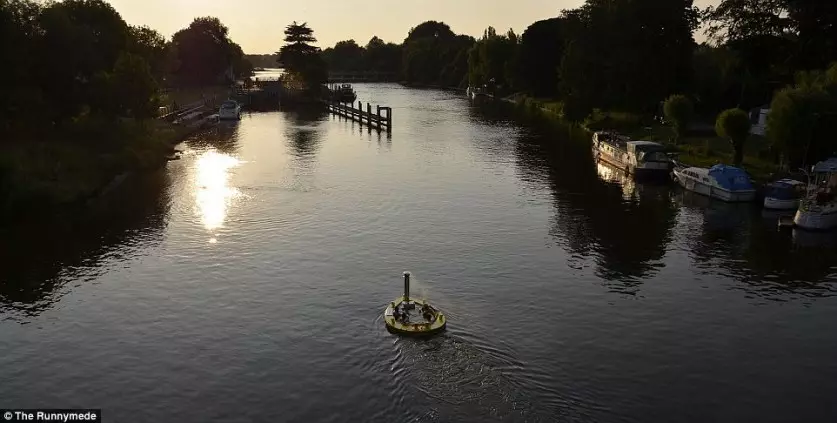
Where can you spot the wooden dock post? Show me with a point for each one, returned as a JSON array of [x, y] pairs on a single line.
[[355, 113]]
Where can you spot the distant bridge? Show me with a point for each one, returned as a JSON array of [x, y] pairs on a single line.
[[368, 76]]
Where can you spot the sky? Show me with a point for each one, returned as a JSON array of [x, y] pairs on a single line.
[[257, 25]]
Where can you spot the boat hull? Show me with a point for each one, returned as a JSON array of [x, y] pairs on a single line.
[[711, 191], [777, 204], [396, 327], [657, 171], [815, 220]]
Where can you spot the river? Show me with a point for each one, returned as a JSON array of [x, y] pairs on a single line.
[[246, 282]]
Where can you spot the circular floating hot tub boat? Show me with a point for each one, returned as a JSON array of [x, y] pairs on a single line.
[[413, 317]]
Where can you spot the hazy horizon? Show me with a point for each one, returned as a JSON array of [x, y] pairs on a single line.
[[257, 25]]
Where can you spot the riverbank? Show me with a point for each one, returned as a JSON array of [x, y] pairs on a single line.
[[56, 170], [700, 147]]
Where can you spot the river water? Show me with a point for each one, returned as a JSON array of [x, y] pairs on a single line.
[[246, 282]]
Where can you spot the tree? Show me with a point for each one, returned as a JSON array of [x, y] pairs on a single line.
[[430, 29], [491, 57], [134, 87], [631, 53], [382, 57], [717, 79], [433, 54], [345, 56], [541, 51], [151, 46], [204, 52], [241, 66], [79, 39], [734, 125], [302, 61], [803, 118], [19, 30], [679, 110], [262, 60], [809, 25]]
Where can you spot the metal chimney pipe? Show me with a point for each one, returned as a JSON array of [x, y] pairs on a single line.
[[406, 287]]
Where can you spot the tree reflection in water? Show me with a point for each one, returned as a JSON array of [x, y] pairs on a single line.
[[40, 256], [623, 227]]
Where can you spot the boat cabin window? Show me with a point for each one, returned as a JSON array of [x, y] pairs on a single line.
[[652, 156]]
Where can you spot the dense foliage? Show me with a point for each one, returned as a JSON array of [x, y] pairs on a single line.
[[492, 59], [803, 118], [205, 54], [376, 56]]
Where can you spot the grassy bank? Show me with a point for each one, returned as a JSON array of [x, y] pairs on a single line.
[[50, 170], [697, 148]]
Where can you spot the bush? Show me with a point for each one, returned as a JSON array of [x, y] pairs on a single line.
[[734, 125], [679, 110]]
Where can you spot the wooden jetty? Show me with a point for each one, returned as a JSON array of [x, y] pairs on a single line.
[[262, 93], [366, 117]]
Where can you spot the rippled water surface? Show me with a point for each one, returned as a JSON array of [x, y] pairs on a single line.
[[245, 282]]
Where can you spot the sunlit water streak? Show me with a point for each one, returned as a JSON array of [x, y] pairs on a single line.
[[213, 194]]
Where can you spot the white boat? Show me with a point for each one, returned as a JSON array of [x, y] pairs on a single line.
[[230, 110], [818, 210], [634, 157], [723, 182], [783, 194], [474, 92]]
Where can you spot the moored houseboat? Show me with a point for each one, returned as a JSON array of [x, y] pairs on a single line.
[[640, 158]]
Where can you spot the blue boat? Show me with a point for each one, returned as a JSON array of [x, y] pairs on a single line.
[[723, 182], [783, 194]]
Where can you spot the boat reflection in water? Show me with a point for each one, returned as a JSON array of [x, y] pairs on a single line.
[[717, 215], [213, 194], [609, 173]]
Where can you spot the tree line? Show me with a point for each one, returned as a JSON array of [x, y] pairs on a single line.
[[77, 59]]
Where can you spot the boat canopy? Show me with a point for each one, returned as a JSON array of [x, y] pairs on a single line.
[[785, 189], [826, 166], [648, 151], [731, 178], [645, 146]]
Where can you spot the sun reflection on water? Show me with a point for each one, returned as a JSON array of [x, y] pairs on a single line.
[[212, 191]]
